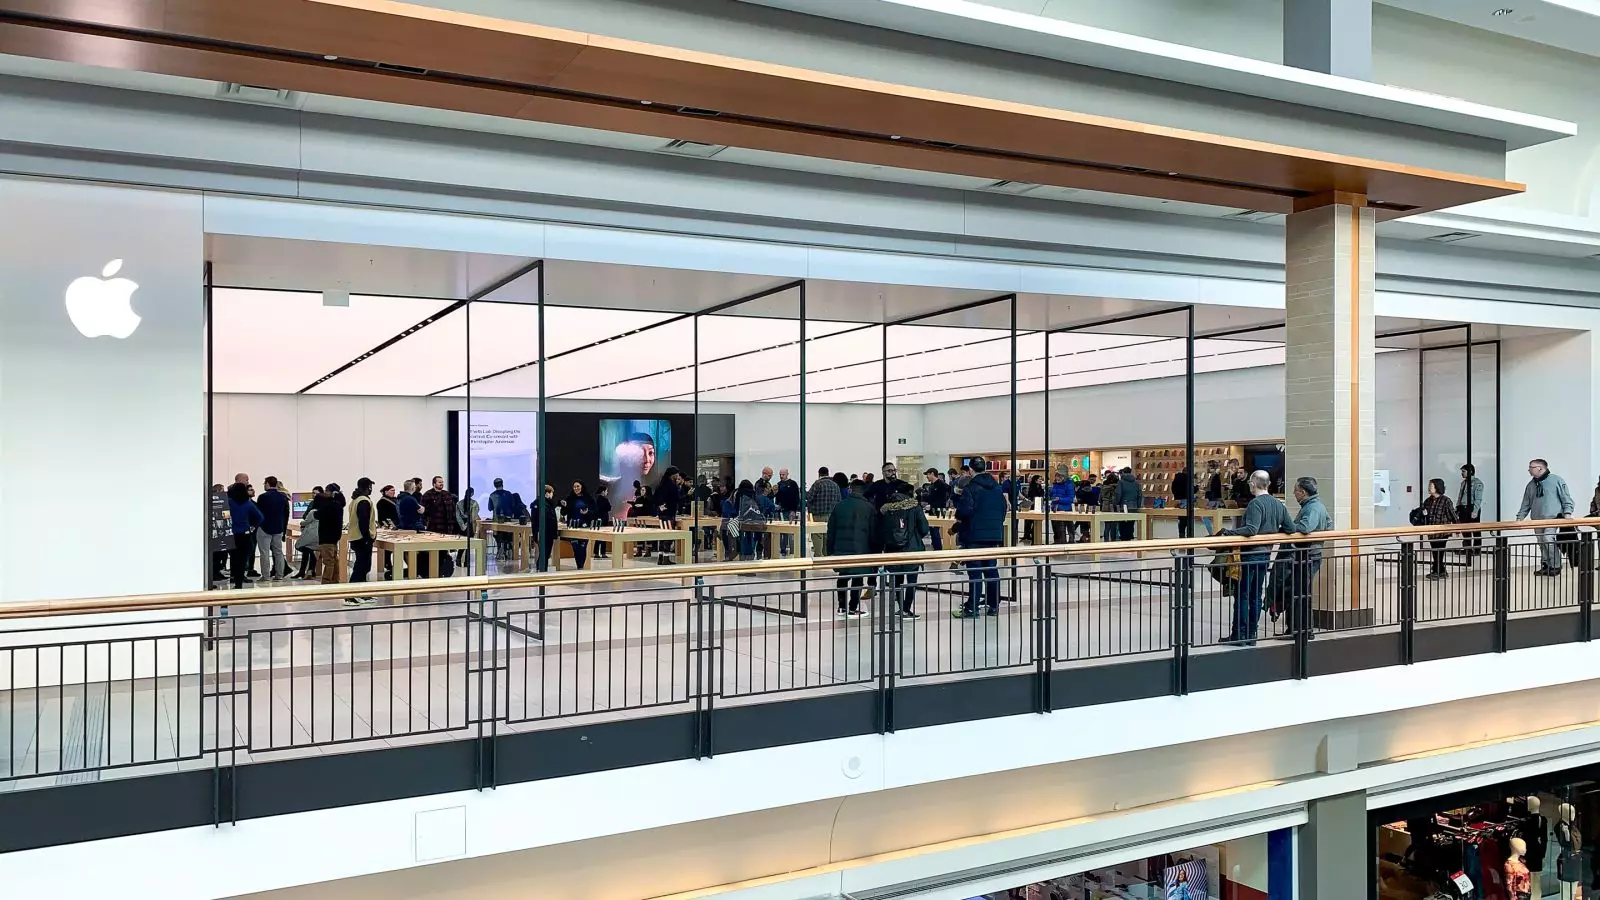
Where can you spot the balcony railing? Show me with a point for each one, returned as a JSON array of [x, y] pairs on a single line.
[[258, 702]]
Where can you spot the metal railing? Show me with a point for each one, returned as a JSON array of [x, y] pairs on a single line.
[[223, 679]]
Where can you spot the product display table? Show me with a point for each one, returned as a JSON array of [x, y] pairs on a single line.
[[620, 541], [522, 538], [1095, 520], [946, 526], [1217, 516], [409, 545]]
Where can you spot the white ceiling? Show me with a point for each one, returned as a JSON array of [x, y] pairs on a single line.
[[1569, 24]]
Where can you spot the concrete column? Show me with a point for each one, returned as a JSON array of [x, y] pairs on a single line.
[[1332, 36], [1329, 375], [1332, 861]]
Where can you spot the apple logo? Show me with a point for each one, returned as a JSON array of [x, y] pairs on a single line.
[[103, 306]]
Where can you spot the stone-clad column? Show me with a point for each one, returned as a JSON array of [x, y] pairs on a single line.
[[1329, 376]]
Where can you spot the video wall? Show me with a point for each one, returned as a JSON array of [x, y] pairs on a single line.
[[618, 449]]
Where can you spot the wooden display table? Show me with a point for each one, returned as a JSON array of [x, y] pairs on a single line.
[[620, 541], [410, 545], [522, 538], [1096, 520], [947, 529], [1217, 516]]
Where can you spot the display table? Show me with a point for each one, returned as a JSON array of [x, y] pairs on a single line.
[[522, 538], [1096, 520], [1217, 516], [410, 545], [620, 541]]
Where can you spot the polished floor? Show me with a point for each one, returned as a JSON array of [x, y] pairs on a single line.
[[271, 681]]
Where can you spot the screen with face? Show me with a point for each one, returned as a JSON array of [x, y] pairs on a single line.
[[634, 450]]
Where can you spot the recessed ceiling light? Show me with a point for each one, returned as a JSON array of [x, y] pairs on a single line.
[[329, 57], [1503, 11], [894, 137]]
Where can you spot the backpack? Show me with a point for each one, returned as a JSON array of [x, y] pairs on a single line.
[[897, 533]]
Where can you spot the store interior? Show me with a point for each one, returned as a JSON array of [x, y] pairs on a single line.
[[1535, 837], [1257, 867], [330, 361]]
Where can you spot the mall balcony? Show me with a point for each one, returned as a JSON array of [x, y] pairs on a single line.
[[368, 373]]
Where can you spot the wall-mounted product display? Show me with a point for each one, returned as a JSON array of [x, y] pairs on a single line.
[[1153, 465]]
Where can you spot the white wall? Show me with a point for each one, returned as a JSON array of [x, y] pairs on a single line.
[[312, 439], [84, 418], [1548, 413]]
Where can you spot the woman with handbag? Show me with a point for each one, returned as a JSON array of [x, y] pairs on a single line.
[[1469, 504], [1437, 510]]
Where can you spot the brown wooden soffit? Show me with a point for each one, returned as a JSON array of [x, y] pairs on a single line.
[[401, 53]]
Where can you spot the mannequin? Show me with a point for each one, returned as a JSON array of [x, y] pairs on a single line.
[[1569, 865], [1536, 833], [1519, 882]]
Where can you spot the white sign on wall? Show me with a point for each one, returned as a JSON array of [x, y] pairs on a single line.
[[1380, 488]]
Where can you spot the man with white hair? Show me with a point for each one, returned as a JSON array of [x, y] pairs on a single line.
[[1265, 514]]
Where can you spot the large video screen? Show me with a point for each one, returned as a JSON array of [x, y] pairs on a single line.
[[634, 451], [489, 444]]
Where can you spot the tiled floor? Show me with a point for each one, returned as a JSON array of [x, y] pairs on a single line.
[[323, 678]]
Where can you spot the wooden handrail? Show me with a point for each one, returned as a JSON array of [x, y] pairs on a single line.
[[484, 583]]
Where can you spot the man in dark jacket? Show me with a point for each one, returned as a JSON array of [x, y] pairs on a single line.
[[1130, 498], [329, 508], [879, 491], [788, 500], [1183, 496], [439, 516], [981, 517], [935, 493], [905, 530], [274, 505], [853, 530]]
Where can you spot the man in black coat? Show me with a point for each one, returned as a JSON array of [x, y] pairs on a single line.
[[853, 530]]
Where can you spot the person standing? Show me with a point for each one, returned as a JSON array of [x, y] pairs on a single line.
[[274, 506], [1213, 482], [1130, 497], [747, 509], [904, 529], [853, 530], [409, 508], [1469, 507], [822, 496], [548, 528], [330, 532], [878, 491], [763, 485], [439, 516], [788, 500], [1110, 494], [500, 510], [245, 518], [1183, 495], [1437, 510], [981, 516], [1239, 490], [1306, 556], [1264, 514], [1545, 497], [388, 517], [306, 544], [602, 515], [467, 519], [1034, 491], [935, 493], [1063, 493], [363, 533]]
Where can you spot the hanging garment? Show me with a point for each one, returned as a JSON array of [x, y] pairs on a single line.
[[1535, 832], [1472, 865], [1569, 864], [1494, 869]]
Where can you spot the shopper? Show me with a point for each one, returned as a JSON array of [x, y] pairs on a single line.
[[275, 507], [1437, 510], [842, 480], [1239, 490], [1130, 498], [1214, 485], [439, 516], [1545, 497], [602, 515], [409, 508], [1305, 557], [245, 519], [1264, 514], [879, 490], [1032, 491], [763, 485], [853, 530], [548, 528], [981, 516], [363, 533], [904, 529], [1469, 508], [1110, 495], [1183, 496], [1063, 493], [934, 494], [786, 495], [1086, 493], [329, 508], [467, 520], [822, 496], [306, 544]]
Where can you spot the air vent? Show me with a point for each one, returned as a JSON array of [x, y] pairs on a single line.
[[691, 148], [260, 96], [1010, 187], [1250, 215], [699, 111], [1450, 237], [404, 70]]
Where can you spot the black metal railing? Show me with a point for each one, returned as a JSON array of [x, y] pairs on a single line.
[[286, 673]]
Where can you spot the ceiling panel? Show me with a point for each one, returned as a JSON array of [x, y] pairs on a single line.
[[613, 286], [428, 360], [277, 342]]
